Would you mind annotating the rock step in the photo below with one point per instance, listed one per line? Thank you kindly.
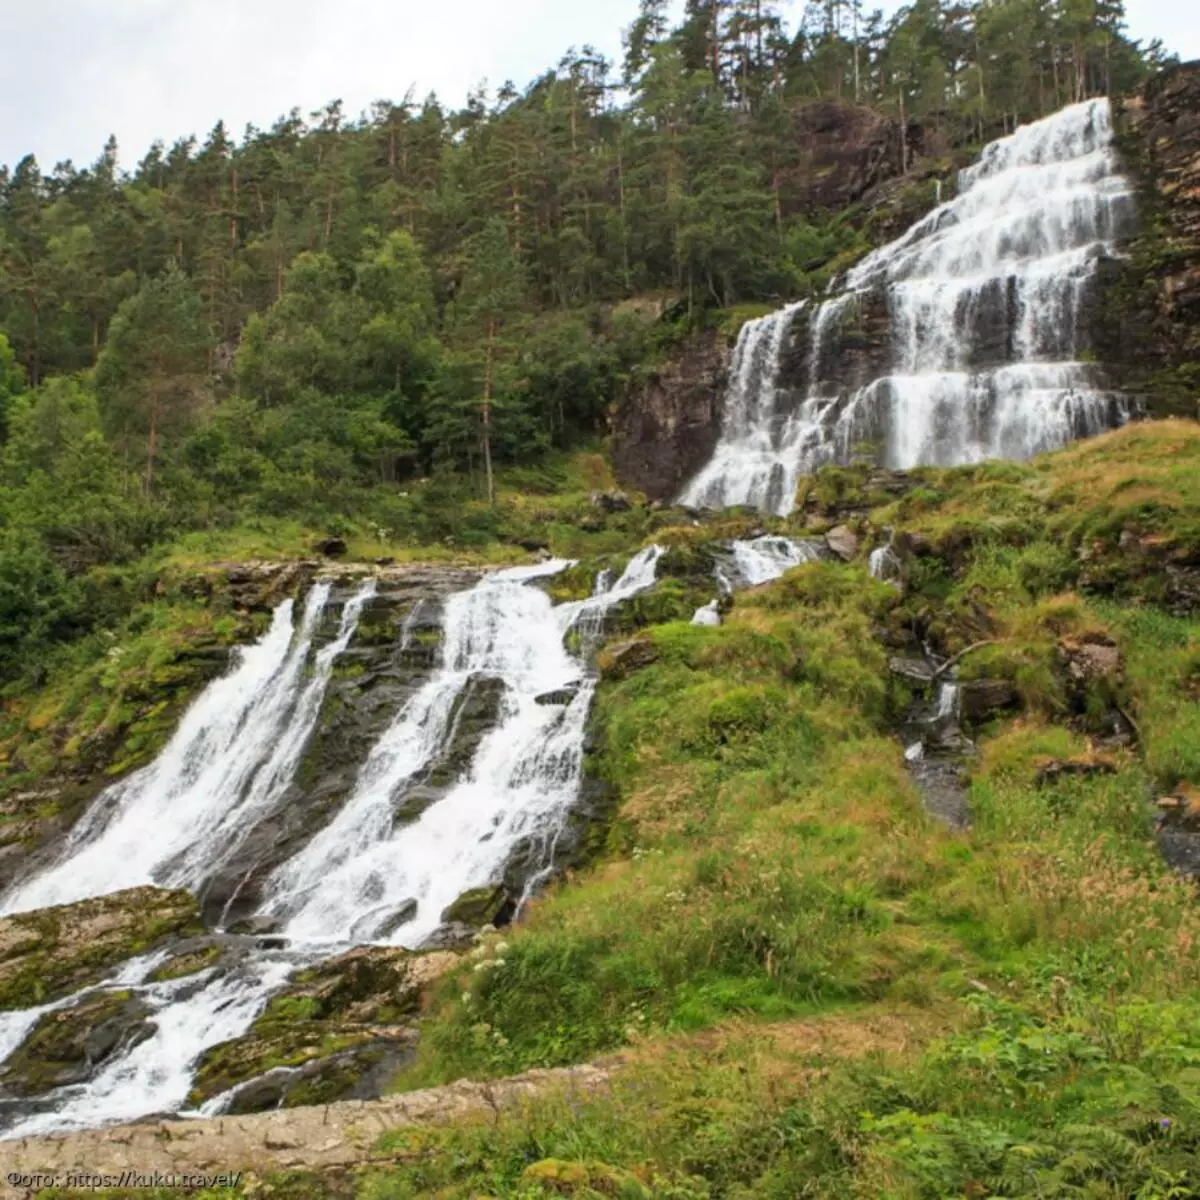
(319, 1138)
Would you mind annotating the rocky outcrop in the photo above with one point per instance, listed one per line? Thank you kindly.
(843, 150)
(68, 1046)
(393, 650)
(53, 952)
(338, 1031)
(1148, 319)
(668, 424)
(315, 1138)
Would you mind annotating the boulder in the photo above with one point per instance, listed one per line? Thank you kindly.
(70, 1045)
(479, 906)
(623, 658)
(843, 541)
(559, 696)
(612, 502)
(981, 699)
(911, 670)
(1091, 658)
(56, 951)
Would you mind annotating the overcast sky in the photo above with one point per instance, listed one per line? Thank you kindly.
(74, 71)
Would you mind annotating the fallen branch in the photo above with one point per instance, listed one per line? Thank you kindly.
(950, 662)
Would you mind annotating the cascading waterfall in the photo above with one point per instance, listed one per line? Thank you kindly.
(350, 882)
(745, 467)
(237, 750)
(231, 758)
(986, 301)
(756, 561)
(762, 559)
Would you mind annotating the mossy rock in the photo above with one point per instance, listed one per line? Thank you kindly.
(479, 906)
(622, 659)
(70, 1045)
(564, 1177)
(56, 951)
(188, 963)
(242, 1059)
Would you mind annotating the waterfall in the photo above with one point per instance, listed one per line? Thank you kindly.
(364, 876)
(884, 564)
(233, 755)
(987, 354)
(352, 879)
(746, 467)
(762, 559)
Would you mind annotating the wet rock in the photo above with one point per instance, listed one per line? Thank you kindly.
(667, 426)
(479, 906)
(981, 699)
(321, 1037)
(254, 586)
(623, 658)
(71, 1045)
(560, 696)
(55, 951)
(189, 961)
(843, 541)
(359, 1073)
(255, 926)
(475, 713)
(406, 911)
(911, 670)
(451, 936)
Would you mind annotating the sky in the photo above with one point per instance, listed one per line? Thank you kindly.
(74, 71)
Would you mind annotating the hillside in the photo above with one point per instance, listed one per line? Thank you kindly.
(773, 895)
(636, 639)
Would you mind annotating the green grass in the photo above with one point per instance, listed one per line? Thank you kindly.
(770, 866)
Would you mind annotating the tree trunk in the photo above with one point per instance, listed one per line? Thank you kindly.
(487, 412)
(151, 445)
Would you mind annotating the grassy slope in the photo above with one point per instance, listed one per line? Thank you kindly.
(816, 989)
(772, 864)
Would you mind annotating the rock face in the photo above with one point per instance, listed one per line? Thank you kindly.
(338, 1031)
(394, 648)
(1149, 317)
(55, 951)
(844, 150)
(667, 426)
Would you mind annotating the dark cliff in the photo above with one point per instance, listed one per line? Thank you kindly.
(1148, 319)
(668, 424)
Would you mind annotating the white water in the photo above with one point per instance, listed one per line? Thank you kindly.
(947, 701)
(986, 301)
(353, 877)
(884, 564)
(232, 757)
(343, 888)
(746, 467)
(765, 558)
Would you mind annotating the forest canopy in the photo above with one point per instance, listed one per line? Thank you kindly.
(297, 322)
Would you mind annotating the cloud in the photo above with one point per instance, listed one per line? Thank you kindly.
(77, 70)
(162, 69)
